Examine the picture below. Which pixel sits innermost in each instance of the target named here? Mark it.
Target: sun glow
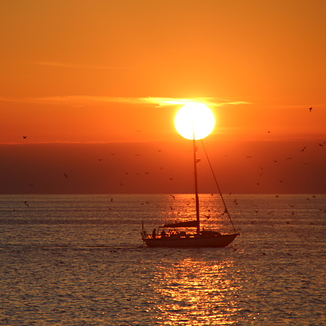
(194, 121)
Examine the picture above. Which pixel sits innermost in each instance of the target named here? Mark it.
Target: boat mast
(196, 185)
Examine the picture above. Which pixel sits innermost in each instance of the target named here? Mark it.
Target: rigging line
(218, 187)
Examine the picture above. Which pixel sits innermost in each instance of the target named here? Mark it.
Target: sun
(194, 121)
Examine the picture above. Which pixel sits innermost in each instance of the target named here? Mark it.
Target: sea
(80, 260)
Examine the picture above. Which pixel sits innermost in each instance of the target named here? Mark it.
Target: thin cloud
(70, 65)
(152, 101)
(79, 101)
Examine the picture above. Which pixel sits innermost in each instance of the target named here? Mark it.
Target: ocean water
(79, 260)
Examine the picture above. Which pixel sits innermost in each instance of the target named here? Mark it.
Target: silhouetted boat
(177, 234)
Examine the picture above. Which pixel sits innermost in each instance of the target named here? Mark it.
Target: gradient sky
(95, 85)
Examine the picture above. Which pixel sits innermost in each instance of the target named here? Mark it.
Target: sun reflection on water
(196, 292)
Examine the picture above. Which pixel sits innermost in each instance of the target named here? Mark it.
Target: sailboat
(176, 234)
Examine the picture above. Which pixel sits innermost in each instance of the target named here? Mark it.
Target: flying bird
(25, 202)
(302, 150)
(65, 175)
(310, 109)
(24, 137)
(173, 197)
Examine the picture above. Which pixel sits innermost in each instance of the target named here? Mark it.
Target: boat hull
(196, 242)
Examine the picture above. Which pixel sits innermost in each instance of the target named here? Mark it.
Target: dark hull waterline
(195, 242)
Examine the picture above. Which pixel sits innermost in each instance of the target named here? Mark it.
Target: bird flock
(124, 179)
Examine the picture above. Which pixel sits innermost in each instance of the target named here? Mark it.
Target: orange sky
(85, 74)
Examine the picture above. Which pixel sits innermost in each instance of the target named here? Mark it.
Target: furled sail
(181, 224)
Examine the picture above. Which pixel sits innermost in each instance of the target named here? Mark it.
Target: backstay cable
(218, 187)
